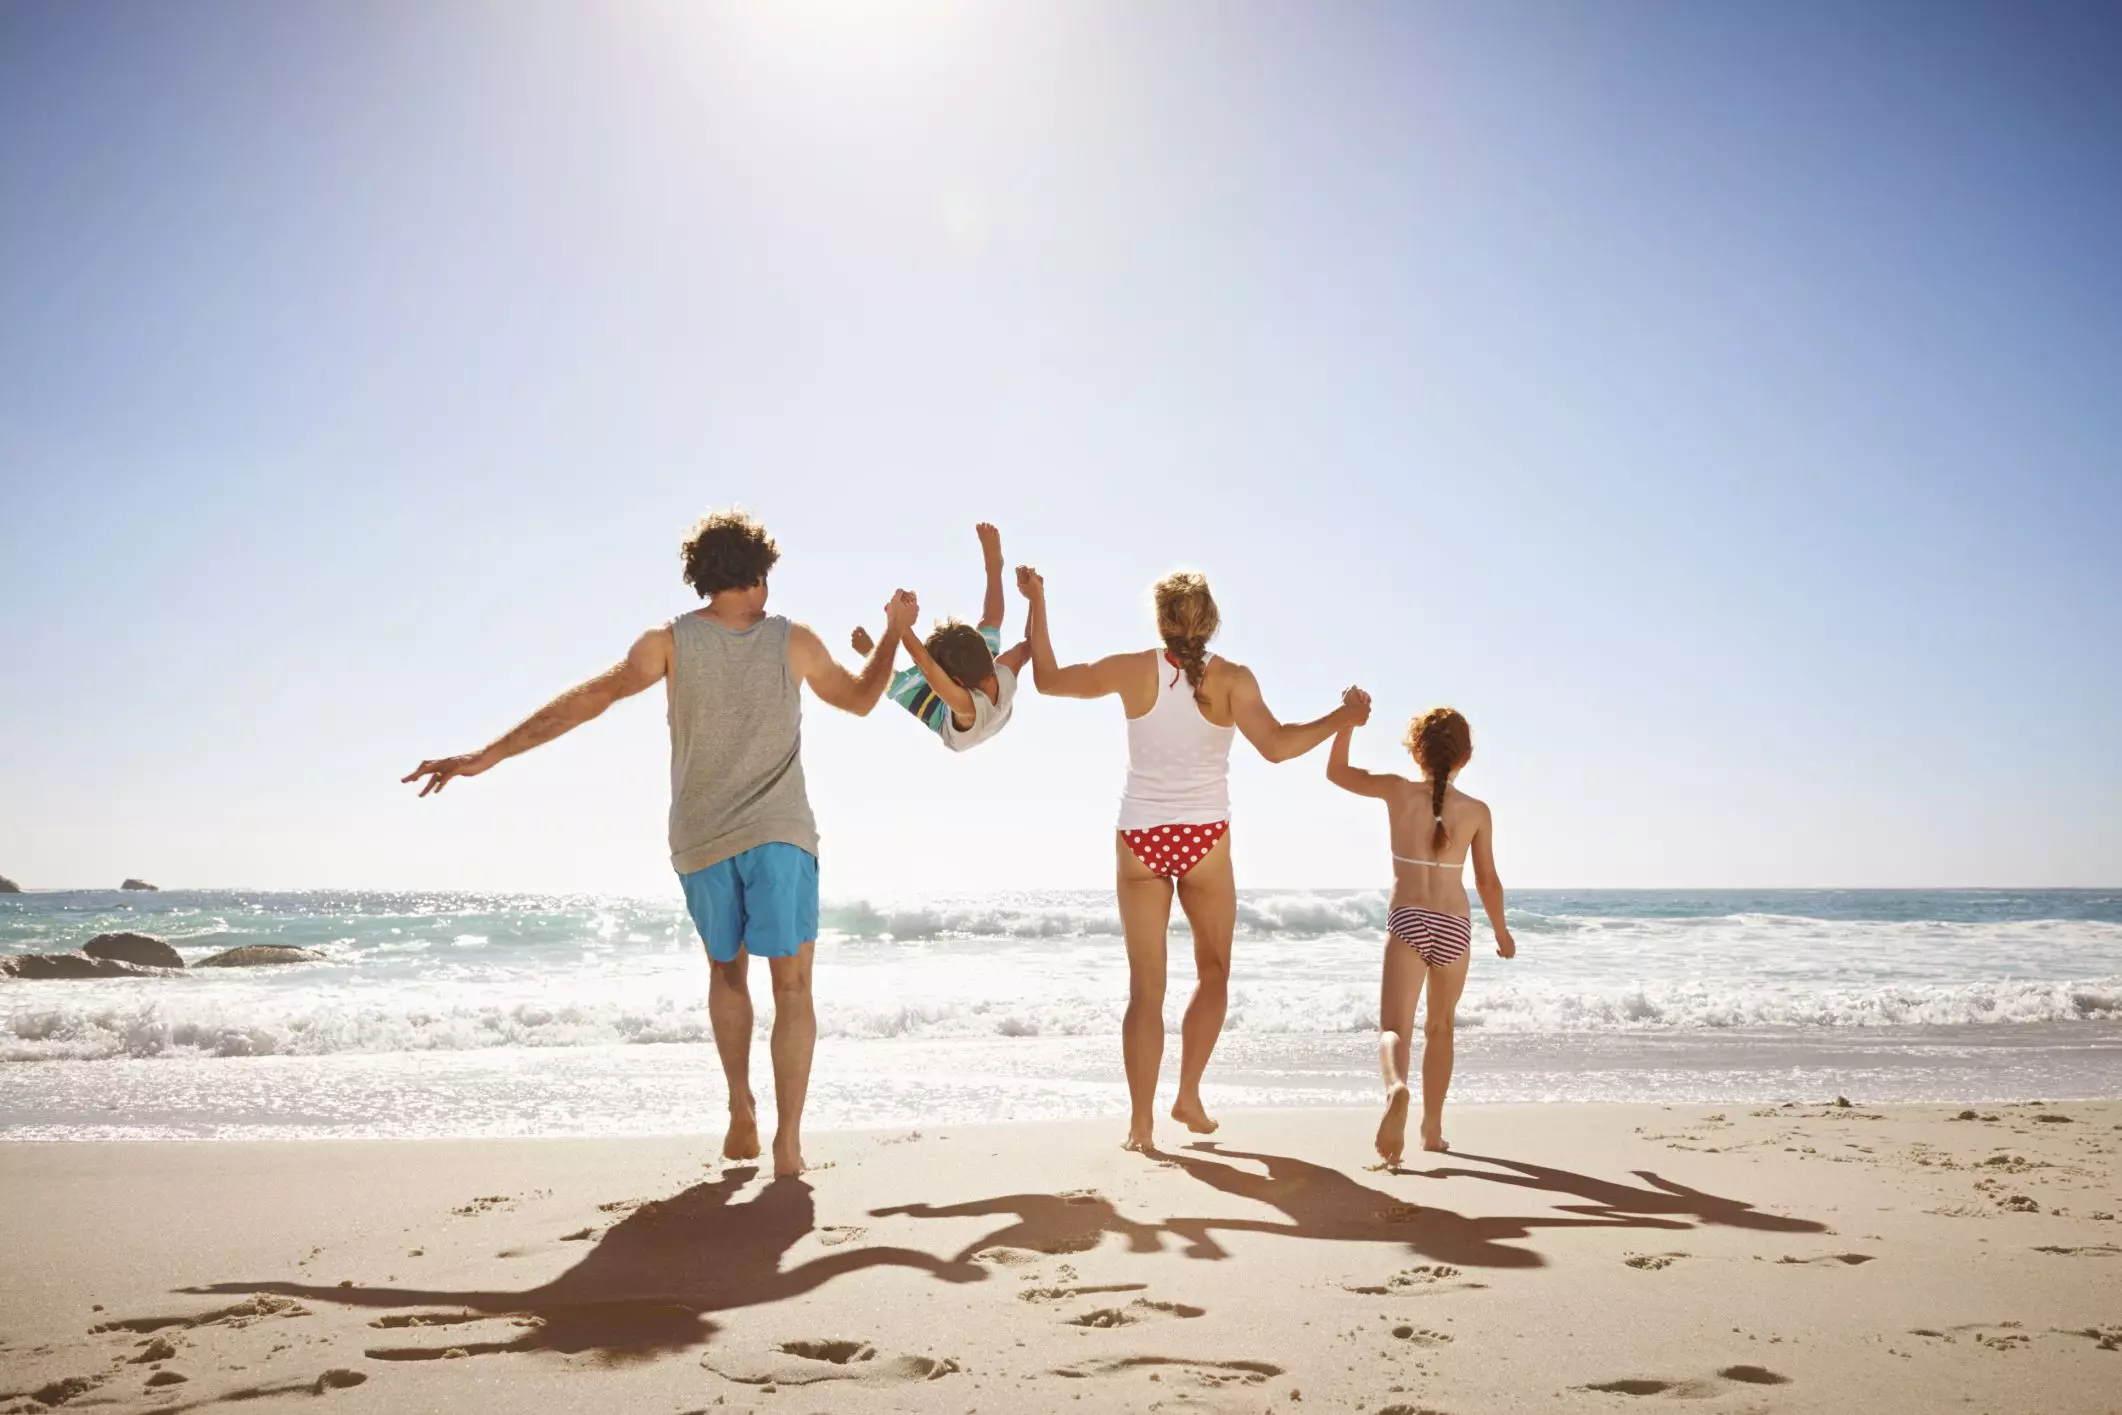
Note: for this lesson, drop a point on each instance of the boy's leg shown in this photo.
(714, 897)
(991, 552)
(781, 926)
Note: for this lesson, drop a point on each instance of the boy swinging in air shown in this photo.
(961, 686)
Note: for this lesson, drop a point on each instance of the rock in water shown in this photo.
(144, 949)
(37, 967)
(255, 955)
(140, 884)
(8, 886)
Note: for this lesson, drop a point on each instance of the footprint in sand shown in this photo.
(808, 1362)
(2089, 1250)
(1421, 1336)
(1428, 1279)
(1848, 1260)
(1139, 1310)
(832, 1235)
(1208, 1373)
(1690, 1389)
(504, 1333)
(1063, 1294)
(260, 1308)
(1651, 1262)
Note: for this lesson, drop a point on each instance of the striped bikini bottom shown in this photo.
(1441, 939)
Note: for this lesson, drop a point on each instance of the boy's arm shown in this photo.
(1490, 884)
(1016, 657)
(991, 553)
(958, 700)
(645, 664)
(1351, 778)
(835, 686)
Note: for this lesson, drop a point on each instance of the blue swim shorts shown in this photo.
(764, 901)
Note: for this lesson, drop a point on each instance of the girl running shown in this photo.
(1183, 706)
(1429, 931)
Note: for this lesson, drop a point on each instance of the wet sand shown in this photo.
(1566, 1258)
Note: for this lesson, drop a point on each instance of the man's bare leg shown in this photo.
(1399, 990)
(1445, 985)
(1209, 894)
(729, 1012)
(795, 1038)
(1145, 919)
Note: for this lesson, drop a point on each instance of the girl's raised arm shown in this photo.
(1349, 778)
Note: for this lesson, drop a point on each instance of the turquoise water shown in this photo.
(479, 1014)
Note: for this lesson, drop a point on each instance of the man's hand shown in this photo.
(1030, 583)
(444, 769)
(862, 642)
(1355, 707)
(1506, 946)
(990, 544)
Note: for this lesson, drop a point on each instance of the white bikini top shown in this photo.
(1433, 864)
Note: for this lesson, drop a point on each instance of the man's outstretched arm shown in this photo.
(645, 664)
(857, 693)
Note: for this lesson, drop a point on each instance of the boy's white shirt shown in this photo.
(989, 717)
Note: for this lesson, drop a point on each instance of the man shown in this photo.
(742, 837)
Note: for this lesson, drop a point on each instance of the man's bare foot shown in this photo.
(1194, 1116)
(862, 641)
(788, 1158)
(1392, 1130)
(1140, 1140)
(1433, 1136)
(742, 1140)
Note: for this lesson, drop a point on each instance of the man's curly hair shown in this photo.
(960, 650)
(727, 551)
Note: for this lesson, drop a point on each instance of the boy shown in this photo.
(961, 686)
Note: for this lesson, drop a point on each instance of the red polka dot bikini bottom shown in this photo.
(1172, 850)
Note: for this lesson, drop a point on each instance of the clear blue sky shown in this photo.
(1719, 403)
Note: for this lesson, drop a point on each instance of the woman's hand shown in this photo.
(1030, 583)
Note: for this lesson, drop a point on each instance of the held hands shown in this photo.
(900, 611)
(1506, 946)
(1355, 707)
(1030, 583)
(443, 770)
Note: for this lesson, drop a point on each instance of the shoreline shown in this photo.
(1568, 1256)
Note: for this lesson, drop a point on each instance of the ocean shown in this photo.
(488, 1015)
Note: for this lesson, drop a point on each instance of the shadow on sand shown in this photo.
(652, 1279)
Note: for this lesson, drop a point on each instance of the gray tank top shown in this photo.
(736, 767)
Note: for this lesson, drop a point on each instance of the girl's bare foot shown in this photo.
(1433, 1136)
(742, 1140)
(788, 1158)
(1194, 1116)
(1139, 1140)
(1392, 1130)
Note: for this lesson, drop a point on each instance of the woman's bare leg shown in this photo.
(1399, 991)
(1445, 985)
(1209, 894)
(1145, 919)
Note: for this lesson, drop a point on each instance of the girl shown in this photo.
(1430, 929)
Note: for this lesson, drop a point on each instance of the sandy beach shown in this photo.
(1564, 1257)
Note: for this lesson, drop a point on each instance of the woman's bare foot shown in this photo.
(788, 1158)
(742, 1140)
(1139, 1139)
(1194, 1116)
(1433, 1136)
(1392, 1130)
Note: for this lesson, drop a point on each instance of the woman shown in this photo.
(1174, 832)
(1430, 928)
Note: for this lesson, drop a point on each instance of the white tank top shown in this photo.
(1178, 762)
